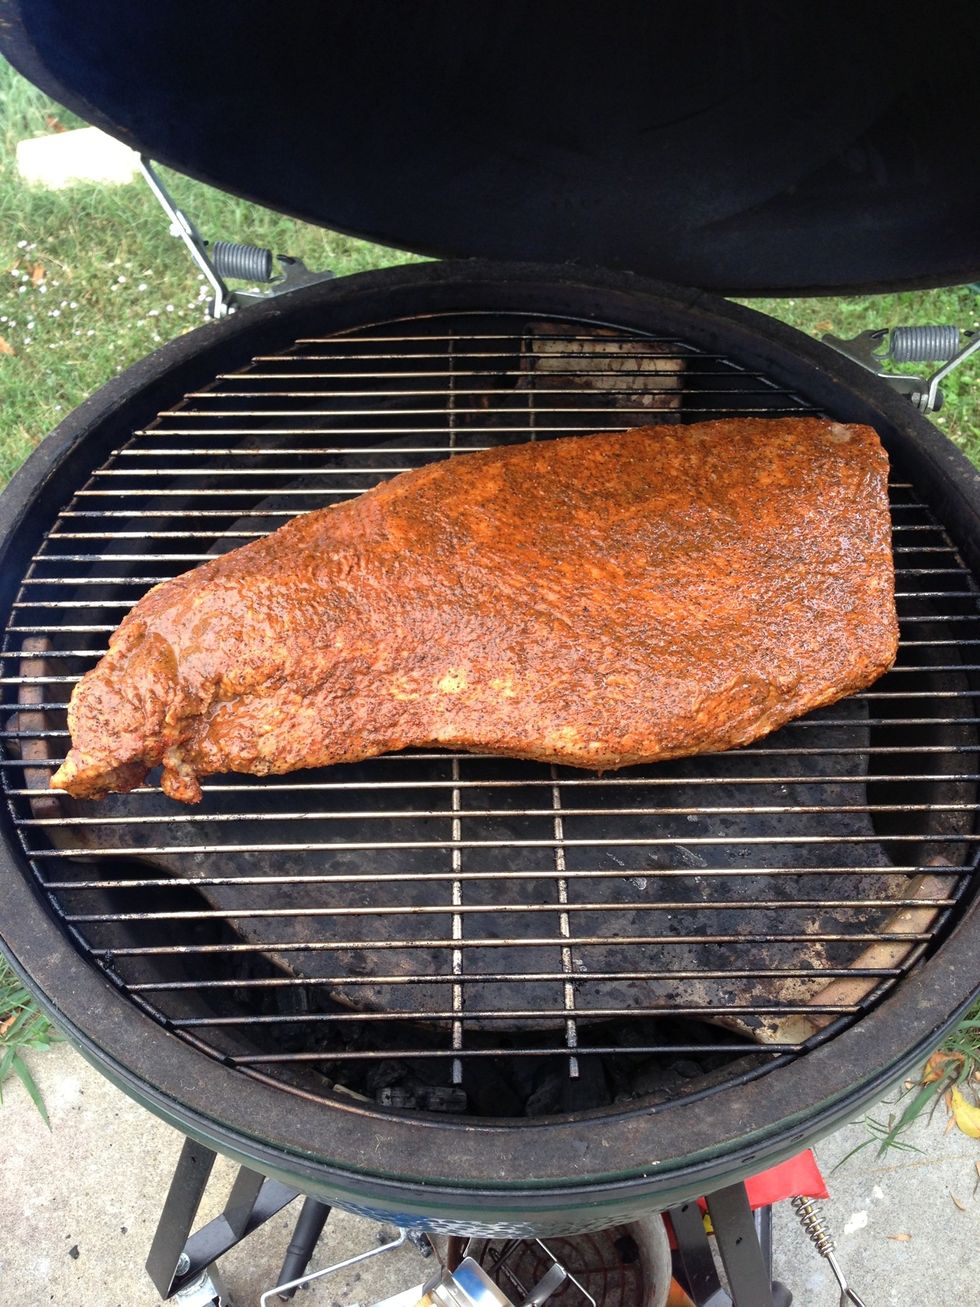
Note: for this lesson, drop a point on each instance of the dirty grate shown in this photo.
(464, 932)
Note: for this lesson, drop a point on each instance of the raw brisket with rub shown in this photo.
(594, 601)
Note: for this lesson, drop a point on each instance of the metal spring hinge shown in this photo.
(813, 1223)
(220, 259)
(874, 350)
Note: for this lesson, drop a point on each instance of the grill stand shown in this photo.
(177, 1257)
(745, 1244)
(180, 1261)
(309, 1227)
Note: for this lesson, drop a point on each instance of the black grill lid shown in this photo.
(738, 147)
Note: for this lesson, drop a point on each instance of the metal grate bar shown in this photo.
(506, 1014)
(449, 377)
(211, 473)
(620, 842)
(371, 356)
(533, 783)
(456, 815)
(368, 356)
(595, 1050)
(50, 557)
(278, 451)
(458, 910)
(512, 1014)
(345, 492)
(382, 394)
(57, 630)
(701, 410)
(178, 882)
(266, 430)
(408, 877)
(102, 514)
(480, 374)
(609, 334)
(525, 978)
(354, 946)
(255, 535)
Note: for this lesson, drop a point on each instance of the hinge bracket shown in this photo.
(875, 350)
(218, 260)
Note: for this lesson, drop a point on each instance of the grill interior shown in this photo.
(464, 933)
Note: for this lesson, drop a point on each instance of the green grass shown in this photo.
(23, 1029)
(954, 1065)
(91, 281)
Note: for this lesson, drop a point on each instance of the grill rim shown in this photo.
(352, 1182)
(106, 1023)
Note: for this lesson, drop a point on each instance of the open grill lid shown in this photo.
(736, 147)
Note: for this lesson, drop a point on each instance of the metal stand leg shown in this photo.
(694, 1254)
(745, 1245)
(178, 1257)
(738, 1243)
(781, 1296)
(183, 1199)
(309, 1227)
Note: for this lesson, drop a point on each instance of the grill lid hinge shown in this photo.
(220, 259)
(924, 344)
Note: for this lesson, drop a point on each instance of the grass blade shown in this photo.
(22, 1026)
(23, 1073)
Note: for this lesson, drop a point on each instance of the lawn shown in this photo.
(91, 280)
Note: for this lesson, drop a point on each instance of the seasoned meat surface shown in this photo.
(594, 601)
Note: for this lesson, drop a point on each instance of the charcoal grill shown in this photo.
(476, 994)
(501, 950)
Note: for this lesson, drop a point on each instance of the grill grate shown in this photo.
(444, 930)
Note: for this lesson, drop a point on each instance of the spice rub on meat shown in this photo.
(594, 601)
